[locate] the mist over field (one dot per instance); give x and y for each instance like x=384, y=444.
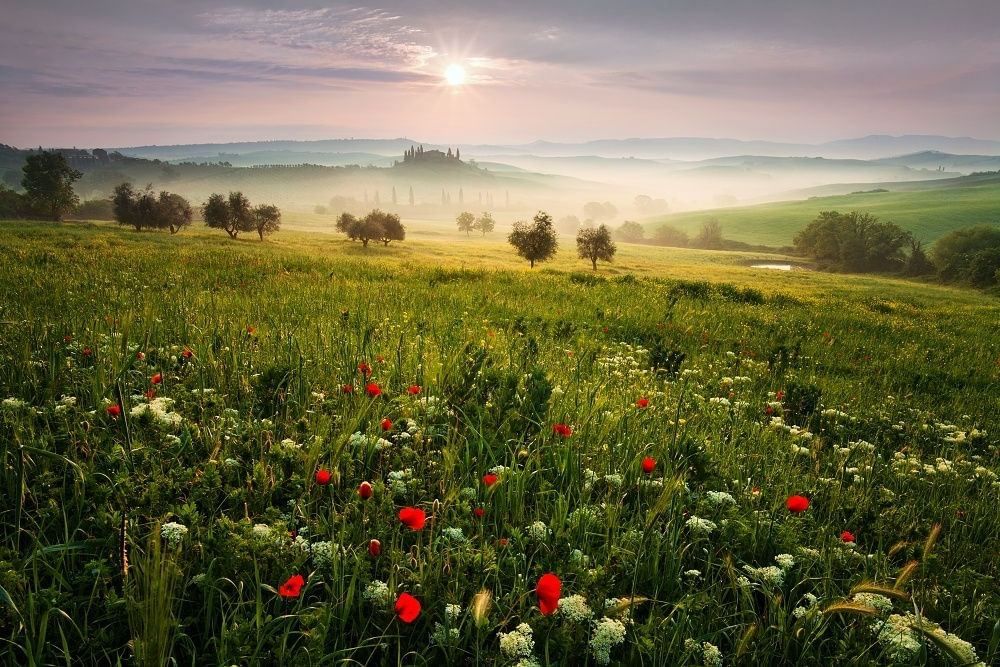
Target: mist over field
x=512, y=334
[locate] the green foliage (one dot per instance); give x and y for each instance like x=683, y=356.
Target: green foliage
x=854, y=241
x=535, y=242
x=970, y=255
x=466, y=222
x=595, y=244
x=48, y=184
x=630, y=232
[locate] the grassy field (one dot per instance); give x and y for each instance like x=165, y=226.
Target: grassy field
x=637, y=433
x=929, y=213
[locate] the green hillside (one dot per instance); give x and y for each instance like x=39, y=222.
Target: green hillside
x=929, y=212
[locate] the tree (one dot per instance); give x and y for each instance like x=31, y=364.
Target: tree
x=854, y=241
x=12, y=204
x=123, y=203
x=917, y=264
x=216, y=214
x=710, y=235
x=348, y=225
x=631, y=232
x=48, y=184
x=485, y=223
x=595, y=210
x=965, y=254
x=646, y=205
x=671, y=236
x=536, y=241
x=390, y=227
x=466, y=222
x=569, y=224
x=266, y=219
x=595, y=244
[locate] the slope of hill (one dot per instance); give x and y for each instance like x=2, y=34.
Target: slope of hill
x=928, y=209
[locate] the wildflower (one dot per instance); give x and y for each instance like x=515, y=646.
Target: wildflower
x=575, y=609
x=479, y=512
x=347, y=389
x=413, y=389
x=323, y=476
x=374, y=548
x=156, y=379
x=373, y=390
x=538, y=531
x=797, y=504
x=489, y=479
x=700, y=526
x=173, y=533
x=364, y=490
x=377, y=592
x=648, y=465
x=407, y=608
x=847, y=536
x=113, y=410
x=87, y=352
x=413, y=518
x=386, y=424
x=187, y=353
x=141, y=356
x=642, y=403
x=718, y=498
x=517, y=644
x=292, y=586
x=364, y=369
x=323, y=554
x=563, y=430
x=547, y=589
x=251, y=330
x=784, y=561
x=608, y=633
x=771, y=575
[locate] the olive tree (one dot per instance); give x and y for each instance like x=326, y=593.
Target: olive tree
x=595, y=244
x=536, y=241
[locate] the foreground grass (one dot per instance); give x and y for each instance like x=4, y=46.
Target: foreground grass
x=876, y=399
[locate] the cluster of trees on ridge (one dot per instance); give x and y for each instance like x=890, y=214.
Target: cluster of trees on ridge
x=376, y=225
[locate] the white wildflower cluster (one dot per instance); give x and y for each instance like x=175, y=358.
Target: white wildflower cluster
x=453, y=534
x=377, y=593
x=574, y=609
x=517, y=644
x=719, y=498
x=262, y=531
x=784, y=561
x=13, y=403
x=878, y=602
x=538, y=531
x=608, y=633
x=400, y=481
x=809, y=601
x=720, y=401
x=710, y=654
x=158, y=410
x=173, y=533
x=901, y=636
x=614, y=481
x=692, y=574
x=770, y=575
x=433, y=406
x=589, y=479
x=444, y=635
x=324, y=554
x=578, y=559
x=452, y=613
x=584, y=515
x=700, y=526
x=289, y=445
x=65, y=403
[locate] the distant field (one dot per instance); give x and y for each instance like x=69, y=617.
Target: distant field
x=929, y=213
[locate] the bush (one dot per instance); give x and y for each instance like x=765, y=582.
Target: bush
x=967, y=255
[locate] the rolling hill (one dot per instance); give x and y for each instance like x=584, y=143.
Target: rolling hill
x=929, y=209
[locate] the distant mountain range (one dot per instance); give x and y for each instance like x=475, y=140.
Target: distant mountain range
x=678, y=148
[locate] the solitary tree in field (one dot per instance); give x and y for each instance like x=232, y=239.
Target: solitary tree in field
x=391, y=229
x=466, y=222
x=710, y=235
x=48, y=184
x=266, y=219
x=536, y=241
x=595, y=244
x=485, y=223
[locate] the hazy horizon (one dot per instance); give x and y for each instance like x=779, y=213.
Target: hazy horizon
x=116, y=73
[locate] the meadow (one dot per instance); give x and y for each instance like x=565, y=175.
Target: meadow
x=304, y=452
x=928, y=209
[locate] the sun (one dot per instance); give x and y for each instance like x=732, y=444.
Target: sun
x=455, y=75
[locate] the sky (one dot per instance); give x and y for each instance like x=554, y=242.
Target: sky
x=132, y=72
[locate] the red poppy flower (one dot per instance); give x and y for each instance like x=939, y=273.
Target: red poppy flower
x=386, y=424
x=564, y=430
x=413, y=389
x=797, y=504
x=87, y=352
x=157, y=379
x=648, y=465
x=251, y=330
x=141, y=356
x=292, y=587
x=67, y=338
x=364, y=369
x=847, y=536
x=479, y=512
x=365, y=490
x=380, y=359
x=150, y=394
x=548, y=589
x=768, y=410
x=642, y=403
x=503, y=541
x=413, y=518
x=187, y=353
x=780, y=395
x=374, y=548
x=113, y=410
x=347, y=389
x=373, y=390
x=489, y=479
x=407, y=608
x=323, y=476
